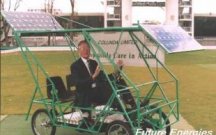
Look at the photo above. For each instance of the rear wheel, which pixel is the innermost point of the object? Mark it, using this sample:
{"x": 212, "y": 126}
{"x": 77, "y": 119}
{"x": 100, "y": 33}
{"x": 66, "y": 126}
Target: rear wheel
{"x": 41, "y": 123}
{"x": 118, "y": 128}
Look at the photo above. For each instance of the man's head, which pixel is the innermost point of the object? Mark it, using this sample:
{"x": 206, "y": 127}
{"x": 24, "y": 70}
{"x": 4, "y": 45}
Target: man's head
{"x": 84, "y": 49}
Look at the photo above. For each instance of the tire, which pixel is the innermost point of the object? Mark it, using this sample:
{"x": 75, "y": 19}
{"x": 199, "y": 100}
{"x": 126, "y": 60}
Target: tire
{"x": 159, "y": 119}
{"x": 118, "y": 128}
{"x": 41, "y": 123}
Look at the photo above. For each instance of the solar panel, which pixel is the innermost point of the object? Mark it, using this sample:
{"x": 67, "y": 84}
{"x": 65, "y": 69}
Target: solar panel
{"x": 31, "y": 21}
{"x": 172, "y": 38}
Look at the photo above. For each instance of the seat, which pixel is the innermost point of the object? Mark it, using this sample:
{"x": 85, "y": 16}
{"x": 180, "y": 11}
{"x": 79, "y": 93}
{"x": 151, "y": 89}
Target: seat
{"x": 63, "y": 94}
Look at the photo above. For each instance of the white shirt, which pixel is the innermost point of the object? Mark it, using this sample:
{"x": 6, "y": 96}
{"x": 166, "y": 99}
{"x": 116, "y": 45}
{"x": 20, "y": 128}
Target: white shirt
{"x": 86, "y": 64}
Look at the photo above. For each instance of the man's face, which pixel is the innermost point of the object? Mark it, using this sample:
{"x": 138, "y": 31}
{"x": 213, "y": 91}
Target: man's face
{"x": 84, "y": 50}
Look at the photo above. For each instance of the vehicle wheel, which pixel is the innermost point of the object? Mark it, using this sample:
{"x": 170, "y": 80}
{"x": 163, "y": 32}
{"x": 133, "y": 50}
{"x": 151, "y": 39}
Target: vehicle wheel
{"x": 157, "y": 120}
{"x": 41, "y": 123}
{"x": 118, "y": 128}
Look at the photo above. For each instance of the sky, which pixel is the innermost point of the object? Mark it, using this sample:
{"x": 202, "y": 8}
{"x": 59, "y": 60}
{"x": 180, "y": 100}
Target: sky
{"x": 200, "y": 6}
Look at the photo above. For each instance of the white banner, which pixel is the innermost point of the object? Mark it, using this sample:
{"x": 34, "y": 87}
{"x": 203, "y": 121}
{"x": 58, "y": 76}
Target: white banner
{"x": 120, "y": 46}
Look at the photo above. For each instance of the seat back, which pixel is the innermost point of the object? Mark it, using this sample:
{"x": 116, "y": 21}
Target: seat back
{"x": 59, "y": 85}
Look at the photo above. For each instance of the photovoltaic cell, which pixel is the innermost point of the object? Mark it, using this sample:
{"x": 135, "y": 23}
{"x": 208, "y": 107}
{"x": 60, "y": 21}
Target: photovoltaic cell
{"x": 31, "y": 21}
{"x": 172, "y": 38}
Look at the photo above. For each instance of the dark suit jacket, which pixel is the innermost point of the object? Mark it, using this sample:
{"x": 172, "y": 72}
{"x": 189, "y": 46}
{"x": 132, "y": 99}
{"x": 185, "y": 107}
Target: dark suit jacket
{"x": 83, "y": 82}
{"x": 86, "y": 95}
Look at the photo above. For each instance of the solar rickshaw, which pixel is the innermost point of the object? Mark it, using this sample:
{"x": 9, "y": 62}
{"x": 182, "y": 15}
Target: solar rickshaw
{"x": 145, "y": 79}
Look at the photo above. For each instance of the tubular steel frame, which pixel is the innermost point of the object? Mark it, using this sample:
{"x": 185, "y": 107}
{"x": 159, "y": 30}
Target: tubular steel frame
{"x": 173, "y": 105}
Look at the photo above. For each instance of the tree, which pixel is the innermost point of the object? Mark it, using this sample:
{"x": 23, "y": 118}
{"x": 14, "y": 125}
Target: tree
{"x": 48, "y": 6}
{"x": 1, "y": 21}
{"x": 72, "y": 2}
{"x": 72, "y": 8}
{"x": 4, "y": 25}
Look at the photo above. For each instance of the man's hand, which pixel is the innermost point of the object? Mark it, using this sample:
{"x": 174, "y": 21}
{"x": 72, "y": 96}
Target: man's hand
{"x": 96, "y": 73}
{"x": 116, "y": 72}
{"x": 120, "y": 63}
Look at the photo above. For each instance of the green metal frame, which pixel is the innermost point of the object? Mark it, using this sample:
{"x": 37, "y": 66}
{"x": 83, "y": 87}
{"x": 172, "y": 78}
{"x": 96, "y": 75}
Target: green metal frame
{"x": 157, "y": 104}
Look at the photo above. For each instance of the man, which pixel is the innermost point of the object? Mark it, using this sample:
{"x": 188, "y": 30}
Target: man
{"x": 91, "y": 84}
{"x": 88, "y": 79}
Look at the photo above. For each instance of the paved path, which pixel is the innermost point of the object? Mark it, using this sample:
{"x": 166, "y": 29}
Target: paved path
{"x": 2, "y": 117}
{"x": 213, "y": 47}
{"x": 182, "y": 125}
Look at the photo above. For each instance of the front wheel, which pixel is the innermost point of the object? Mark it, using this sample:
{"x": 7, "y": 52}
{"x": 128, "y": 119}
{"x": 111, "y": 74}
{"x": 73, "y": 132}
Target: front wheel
{"x": 41, "y": 123}
{"x": 118, "y": 128}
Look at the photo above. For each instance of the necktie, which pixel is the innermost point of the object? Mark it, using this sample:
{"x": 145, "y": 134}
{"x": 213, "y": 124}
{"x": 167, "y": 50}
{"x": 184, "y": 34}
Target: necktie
{"x": 91, "y": 70}
{"x": 90, "y": 67}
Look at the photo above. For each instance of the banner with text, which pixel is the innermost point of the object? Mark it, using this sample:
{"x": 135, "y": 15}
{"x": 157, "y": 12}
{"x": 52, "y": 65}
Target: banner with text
{"x": 120, "y": 46}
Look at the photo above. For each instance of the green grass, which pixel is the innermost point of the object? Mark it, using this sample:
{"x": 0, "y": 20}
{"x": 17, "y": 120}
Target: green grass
{"x": 196, "y": 72}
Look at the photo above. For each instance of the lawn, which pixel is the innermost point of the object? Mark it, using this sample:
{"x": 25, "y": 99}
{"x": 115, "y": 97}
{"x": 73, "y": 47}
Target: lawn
{"x": 196, "y": 72}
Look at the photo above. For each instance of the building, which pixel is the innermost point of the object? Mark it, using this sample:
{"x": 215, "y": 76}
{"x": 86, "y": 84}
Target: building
{"x": 186, "y": 16}
{"x": 178, "y": 12}
{"x": 205, "y": 28}
{"x": 81, "y": 20}
{"x": 119, "y": 13}
{"x": 205, "y": 25}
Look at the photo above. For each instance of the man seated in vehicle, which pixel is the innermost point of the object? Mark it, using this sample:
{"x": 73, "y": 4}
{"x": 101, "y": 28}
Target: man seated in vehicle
{"x": 91, "y": 83}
